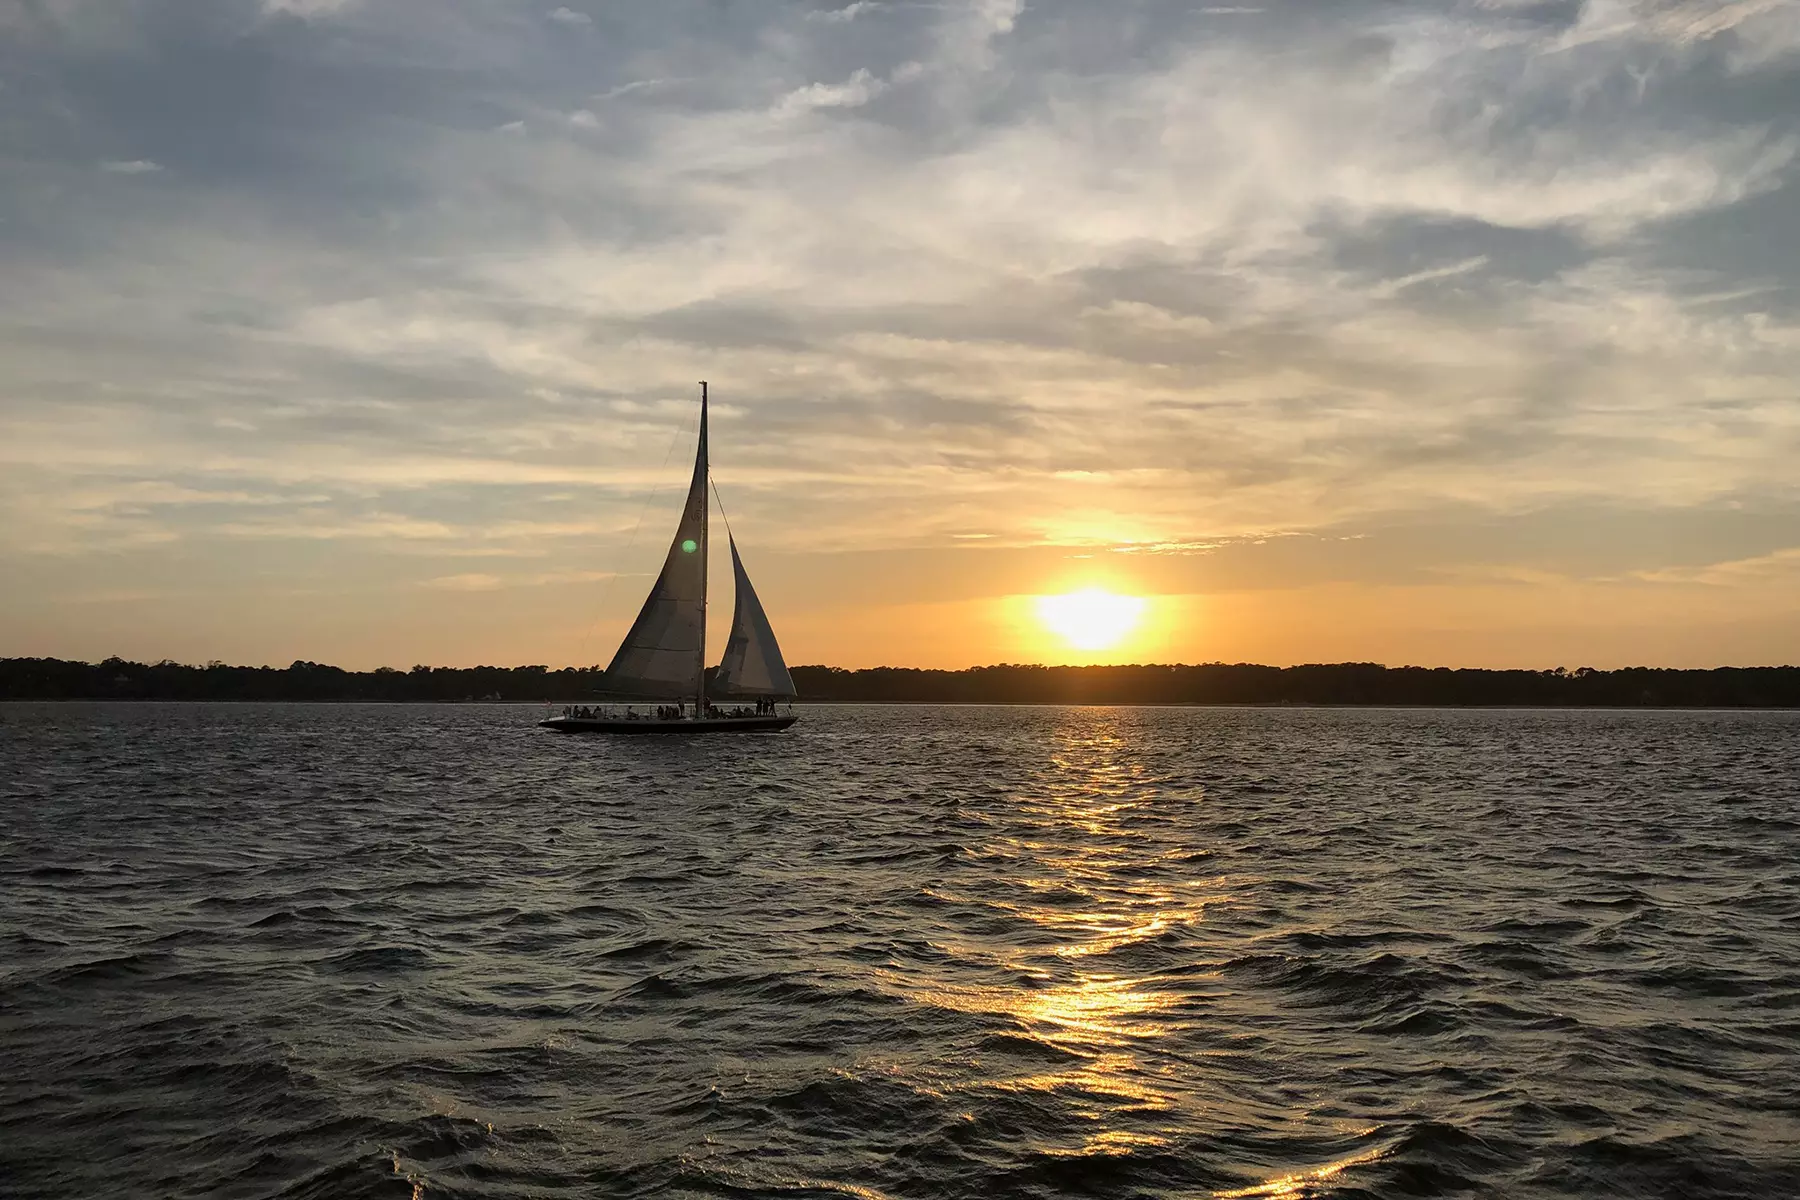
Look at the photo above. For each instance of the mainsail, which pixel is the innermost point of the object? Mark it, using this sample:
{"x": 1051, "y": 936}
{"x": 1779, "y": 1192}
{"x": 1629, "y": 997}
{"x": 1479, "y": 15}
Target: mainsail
{"x": 664, "y": 655}
{"x": 752, "y": 665}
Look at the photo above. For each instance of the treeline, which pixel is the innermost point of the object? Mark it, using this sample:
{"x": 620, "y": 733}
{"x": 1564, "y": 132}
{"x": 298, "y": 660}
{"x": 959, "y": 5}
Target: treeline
{"x": 118, "y": 679}
{"x": 1334, "y": 683}
{"x": 1211, "y": 683}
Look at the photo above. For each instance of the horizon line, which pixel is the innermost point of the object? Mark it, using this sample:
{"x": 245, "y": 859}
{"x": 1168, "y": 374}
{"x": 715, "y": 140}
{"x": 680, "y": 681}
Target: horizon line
{"x": 216, "y": 664}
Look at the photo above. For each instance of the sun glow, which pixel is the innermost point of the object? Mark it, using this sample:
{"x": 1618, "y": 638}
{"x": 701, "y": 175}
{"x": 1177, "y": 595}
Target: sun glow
{"x": 1091, "y": 619}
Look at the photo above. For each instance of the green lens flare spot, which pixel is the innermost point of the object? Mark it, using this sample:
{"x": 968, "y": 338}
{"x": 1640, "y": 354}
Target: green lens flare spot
{"x": 689, "y": 545}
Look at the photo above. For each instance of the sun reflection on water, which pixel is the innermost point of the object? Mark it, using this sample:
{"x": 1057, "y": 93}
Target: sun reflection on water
{"x": 1072, "y": 919}
{"x": 1094, "y": 1011}
{"x": 1304, "y": 1182}
{"x": 1080, "y": 927}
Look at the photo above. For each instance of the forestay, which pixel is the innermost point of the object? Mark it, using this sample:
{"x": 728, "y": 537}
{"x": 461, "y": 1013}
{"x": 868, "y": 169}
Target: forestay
{"x": 752, "y": 665}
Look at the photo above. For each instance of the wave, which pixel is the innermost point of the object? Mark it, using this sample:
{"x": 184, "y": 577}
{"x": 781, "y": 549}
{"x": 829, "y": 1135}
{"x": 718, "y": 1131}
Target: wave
{"x": 1385, "y": 981}
{"x": 382, "y": 960}
{"x": 1138, "y": 953}
{"x": 121, "y": 968}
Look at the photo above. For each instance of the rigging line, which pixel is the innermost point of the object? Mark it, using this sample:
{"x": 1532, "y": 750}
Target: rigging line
{"x": 656, "y": 489}
{"x": 723, "y": 515}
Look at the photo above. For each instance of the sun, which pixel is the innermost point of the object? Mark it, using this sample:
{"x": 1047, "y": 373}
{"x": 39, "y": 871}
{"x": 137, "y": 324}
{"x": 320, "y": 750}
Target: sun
{"x": 1091, "y": 619}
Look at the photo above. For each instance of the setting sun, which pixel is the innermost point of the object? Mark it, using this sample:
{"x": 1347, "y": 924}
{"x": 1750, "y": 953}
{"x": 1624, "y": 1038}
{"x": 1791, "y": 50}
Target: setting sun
{"x": 1091, "y": 619}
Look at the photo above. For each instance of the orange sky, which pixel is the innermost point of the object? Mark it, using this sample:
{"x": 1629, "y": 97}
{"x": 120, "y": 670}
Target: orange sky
{"x": 1419, "y": 592}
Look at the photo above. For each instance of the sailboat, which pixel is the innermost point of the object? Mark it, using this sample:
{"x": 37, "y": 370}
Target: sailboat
{"x": 662, "y": 661}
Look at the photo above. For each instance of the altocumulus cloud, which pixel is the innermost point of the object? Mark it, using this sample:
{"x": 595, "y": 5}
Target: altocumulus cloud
{"x": 433, "y": 277}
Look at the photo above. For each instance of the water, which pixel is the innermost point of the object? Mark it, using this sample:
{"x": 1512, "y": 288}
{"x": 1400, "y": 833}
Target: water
{"x": 341, "y": 951}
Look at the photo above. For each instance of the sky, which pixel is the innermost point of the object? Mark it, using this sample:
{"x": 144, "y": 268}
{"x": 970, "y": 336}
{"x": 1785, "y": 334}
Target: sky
{"x": 368, "y": 331}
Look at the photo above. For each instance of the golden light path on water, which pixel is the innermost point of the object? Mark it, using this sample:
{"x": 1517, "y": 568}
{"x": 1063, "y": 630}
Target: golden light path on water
{"x": 1080, "y": 895}
{"x": 1304, "y": 1182}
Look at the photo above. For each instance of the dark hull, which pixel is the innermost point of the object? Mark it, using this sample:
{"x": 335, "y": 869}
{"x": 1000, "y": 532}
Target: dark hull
{"x": 715, "y": 725}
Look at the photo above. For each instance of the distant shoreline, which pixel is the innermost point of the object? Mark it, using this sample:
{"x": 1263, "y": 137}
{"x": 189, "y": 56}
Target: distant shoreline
{"x": 1209, "y": 685}
{"x": 1278, "y": 706}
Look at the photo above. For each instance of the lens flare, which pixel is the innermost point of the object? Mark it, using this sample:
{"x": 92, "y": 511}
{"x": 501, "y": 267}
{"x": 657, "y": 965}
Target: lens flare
{"x": 1091, "y": 619}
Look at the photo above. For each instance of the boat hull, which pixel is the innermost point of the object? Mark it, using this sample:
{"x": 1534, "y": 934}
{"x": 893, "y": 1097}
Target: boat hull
{"x": 767, "y": 724}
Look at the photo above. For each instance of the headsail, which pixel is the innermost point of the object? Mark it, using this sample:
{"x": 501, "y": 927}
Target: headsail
{"x": 664, "y": 655}
{"x": 752, "y": 665}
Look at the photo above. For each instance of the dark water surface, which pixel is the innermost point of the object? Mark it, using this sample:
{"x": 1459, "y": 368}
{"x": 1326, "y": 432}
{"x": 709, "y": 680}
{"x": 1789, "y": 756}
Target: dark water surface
{"x": 344, "y": 951}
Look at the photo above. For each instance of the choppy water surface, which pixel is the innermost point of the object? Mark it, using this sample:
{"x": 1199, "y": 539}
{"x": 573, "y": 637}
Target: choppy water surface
{"x": 338, "y": 951}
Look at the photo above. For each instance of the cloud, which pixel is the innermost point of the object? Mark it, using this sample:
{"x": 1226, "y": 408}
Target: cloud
{"x": 1683, "y": 22}
{"x": 568, "y": 16}
{"x": 1136, "y": 279}
{"x": 1778, "y": 565}
{"x": 306, "y": 9}
{"x": 480, "y": 582}
{"x": 846, "y": 14}
{"x": 858, "y": 89}
{"x": 635, "y": 85}
{"x": 967, "y": 34}
{"x": 471, "y": 582}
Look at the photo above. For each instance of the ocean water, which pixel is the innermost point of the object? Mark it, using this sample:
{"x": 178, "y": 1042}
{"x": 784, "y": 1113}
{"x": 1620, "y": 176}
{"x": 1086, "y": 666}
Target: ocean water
{"x": 346, "y": 951}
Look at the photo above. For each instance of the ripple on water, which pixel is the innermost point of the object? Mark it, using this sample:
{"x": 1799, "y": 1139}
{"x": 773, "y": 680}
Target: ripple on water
{"x": 330, "y": 951}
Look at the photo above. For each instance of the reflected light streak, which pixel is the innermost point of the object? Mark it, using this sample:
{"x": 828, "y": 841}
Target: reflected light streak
{"x": 1114, "y": 1141}
{"x": 1107, "y": 1077}
{"x": 1098, "y": 1006}
{"x": 1096, "y": 1009}
{"x": 1302, "y": 1182}
{"x": 1073, "y": 883}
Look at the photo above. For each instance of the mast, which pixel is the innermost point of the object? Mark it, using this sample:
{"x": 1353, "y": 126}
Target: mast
{"x": 702, "y": 472}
